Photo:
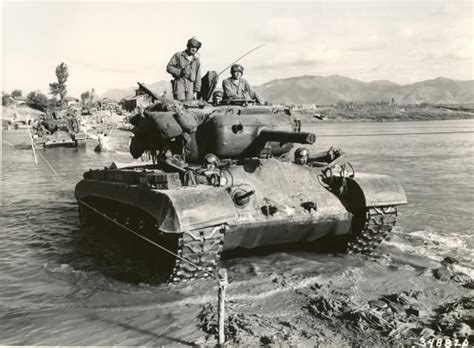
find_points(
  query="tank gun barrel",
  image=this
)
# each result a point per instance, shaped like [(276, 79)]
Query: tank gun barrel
[(283, 137), (287, 137)]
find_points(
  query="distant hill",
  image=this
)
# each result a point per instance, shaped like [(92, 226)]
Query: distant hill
[(325, 90), (331, 89)]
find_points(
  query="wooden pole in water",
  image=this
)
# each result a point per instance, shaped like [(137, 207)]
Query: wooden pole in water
[(32, 143), (222, 274)]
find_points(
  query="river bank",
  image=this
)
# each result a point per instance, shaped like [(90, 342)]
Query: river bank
[(387, 113)]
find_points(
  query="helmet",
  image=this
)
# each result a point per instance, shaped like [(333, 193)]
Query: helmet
[(193, 42), (237, 67), (301, 155), (217, 97), (210, 159), (217, 94)]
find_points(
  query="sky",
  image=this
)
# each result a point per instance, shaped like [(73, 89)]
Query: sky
[(109, 44)]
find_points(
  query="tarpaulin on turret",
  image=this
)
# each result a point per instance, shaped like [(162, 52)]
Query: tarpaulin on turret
[(165, 125)]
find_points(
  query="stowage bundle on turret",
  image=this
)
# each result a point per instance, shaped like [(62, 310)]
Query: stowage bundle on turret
[(165, 125)]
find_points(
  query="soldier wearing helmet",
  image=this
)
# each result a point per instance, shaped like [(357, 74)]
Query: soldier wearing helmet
[(185, 67), (217, 97), (301, 155), (210, 162), (235, 87)]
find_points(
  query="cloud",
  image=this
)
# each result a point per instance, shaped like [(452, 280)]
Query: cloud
[(111, 69), (369, 46), (283, 30), (293, 63), (445, 57), (375, 69)]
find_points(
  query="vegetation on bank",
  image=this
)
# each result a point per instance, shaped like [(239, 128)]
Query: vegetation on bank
[(379, 112)]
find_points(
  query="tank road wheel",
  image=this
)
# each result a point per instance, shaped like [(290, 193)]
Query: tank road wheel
[(202, 248), (369, 228)]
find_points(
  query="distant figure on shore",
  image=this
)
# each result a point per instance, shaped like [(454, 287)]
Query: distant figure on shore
[(185, 67), (235, 87), (103, 141)]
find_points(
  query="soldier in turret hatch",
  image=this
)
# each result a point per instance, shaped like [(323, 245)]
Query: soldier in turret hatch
[(185, 68), (217, 98), (235, 87), (301, 155)]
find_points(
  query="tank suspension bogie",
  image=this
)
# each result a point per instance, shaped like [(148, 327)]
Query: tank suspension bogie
[(188, 255)]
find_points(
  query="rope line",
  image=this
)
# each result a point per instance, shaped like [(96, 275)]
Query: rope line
[(119, 224), (32, 144), (139, 235), (382, 134), (10, 144), (49, 165)]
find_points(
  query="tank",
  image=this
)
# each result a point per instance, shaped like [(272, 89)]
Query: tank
[(59, 133), (255, 195)]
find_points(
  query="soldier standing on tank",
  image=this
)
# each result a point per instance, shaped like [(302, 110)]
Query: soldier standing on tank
[(235, 87), (185, 68)]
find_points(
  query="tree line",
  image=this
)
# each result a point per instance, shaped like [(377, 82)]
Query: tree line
[(58, 90)]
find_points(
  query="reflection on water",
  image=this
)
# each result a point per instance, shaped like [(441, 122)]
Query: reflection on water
[(59, 280)]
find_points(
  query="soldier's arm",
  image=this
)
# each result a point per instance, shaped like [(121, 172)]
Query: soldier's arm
[(173, 66), (197, 82), (253, 93)]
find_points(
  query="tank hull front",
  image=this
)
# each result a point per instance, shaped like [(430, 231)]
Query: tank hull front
[(285, 203), (288, 205), (252, 235)]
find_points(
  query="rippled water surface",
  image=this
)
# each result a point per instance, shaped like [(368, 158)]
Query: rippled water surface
[(63, 285)]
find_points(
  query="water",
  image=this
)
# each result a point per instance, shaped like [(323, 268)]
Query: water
[(61, 285)]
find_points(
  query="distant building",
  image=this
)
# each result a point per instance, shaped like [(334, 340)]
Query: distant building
[(141, 99), (18, 100), (68, 101), (107, 103)]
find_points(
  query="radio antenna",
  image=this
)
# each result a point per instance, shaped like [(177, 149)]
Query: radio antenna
[(235, 61)]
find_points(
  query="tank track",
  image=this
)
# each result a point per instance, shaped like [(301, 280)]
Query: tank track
[(370, 228), (203, 248)]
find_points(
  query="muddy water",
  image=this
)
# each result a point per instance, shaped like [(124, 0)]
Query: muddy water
[(62, 285)]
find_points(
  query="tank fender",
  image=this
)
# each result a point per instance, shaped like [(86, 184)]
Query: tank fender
[(175, 211), (195, 208), (373, 190)]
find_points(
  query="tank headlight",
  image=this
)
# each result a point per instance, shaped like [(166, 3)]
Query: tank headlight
[(222, 181)]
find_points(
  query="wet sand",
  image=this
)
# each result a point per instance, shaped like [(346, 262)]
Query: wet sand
[(341, 300)]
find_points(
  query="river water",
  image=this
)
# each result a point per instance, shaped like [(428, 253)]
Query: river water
[(61, 285)]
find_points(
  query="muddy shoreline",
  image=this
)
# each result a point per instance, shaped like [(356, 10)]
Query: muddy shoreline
[(344, 300)]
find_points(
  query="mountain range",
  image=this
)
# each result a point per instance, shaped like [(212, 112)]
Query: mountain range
[(326, 90)]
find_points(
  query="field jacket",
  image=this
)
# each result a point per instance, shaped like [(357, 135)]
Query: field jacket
[(191, 68), (239, 89)]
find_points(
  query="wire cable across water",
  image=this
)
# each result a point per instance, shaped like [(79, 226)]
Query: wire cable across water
[(139, 235)]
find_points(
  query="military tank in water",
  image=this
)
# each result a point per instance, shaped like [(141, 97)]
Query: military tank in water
[(253, 195)]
